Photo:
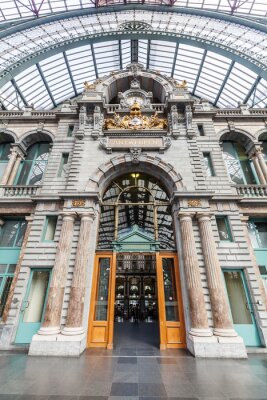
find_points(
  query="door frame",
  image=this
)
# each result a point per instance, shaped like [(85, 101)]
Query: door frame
[(249, 303), (25, 301), (108, 325)]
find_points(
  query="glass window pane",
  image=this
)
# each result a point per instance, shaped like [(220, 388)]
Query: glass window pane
[(101, 307), (232, 163), (4, 294), (237, 298), (170, 292), (50, 228), (8, 234), (3, 165), (21, 233), (208, 164), (36, 296), (223, 229), (261, 229)]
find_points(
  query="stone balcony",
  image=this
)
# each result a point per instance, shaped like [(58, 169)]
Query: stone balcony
[(18, 191), (252, 191)]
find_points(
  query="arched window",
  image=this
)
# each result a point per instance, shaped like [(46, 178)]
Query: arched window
[(135, 200), (239, 167), (4, 152), (32, 168)]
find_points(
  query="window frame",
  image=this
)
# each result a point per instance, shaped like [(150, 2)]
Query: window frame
[(225, 218), (207, 156), (61, 173), (44, 231)]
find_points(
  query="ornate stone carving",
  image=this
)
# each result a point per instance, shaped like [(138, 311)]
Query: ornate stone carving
[(89, 86), (135, 153), (135, 121), (182, 85)]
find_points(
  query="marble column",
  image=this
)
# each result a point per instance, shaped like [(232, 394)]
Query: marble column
[(262, 163), (258, 169), (51, 324), (223, 325), (74, 324), (9, 167), (15, 168), (198, 313)]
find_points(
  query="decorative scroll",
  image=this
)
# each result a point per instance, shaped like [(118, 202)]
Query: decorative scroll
[(78, 203), (194, 203)]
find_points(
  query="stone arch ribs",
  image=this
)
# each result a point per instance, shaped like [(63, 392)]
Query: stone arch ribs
[(151, 165), (246, 139)]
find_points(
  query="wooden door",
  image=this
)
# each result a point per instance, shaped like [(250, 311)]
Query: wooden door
[(100, 330), (171, 318)]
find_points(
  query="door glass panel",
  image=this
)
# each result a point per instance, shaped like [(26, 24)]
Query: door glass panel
[(36, 296), (237, 298), (101, 307), (171, 303)]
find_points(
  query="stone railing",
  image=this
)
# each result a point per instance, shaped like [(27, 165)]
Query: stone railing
[(19, 191), (252, 191)]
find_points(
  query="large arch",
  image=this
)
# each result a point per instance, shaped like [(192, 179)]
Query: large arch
[(148, 164), (241, 136)]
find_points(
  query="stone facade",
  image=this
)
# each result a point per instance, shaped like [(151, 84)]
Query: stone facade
[(76, 129)]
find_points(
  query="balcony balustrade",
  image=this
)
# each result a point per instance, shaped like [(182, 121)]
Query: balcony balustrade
[(252, 191), (18, 191)]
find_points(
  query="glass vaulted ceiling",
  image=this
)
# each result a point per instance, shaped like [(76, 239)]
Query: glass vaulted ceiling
[(13, 9), (222, 80)]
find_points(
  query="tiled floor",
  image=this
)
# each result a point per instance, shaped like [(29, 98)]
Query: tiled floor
[(135, 372)]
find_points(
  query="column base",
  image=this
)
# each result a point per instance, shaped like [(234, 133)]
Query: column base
[(72, 331), (200, 332), (54, 330), (225, 332), (57, 345), (216, 347)]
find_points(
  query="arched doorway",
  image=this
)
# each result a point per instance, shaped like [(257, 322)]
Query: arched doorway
[(136, 278)]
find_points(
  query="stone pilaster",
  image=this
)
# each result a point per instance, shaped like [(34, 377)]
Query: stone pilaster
[(51, 324), (262, 163), (198, 313), (223, 325), (76, 305)]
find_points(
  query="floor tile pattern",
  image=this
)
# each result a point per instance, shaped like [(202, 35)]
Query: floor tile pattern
[(126, 373)]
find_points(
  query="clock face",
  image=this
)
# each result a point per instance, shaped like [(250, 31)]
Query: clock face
[(132, 98)]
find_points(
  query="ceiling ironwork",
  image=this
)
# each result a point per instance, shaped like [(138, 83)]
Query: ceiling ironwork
[(46, 60)]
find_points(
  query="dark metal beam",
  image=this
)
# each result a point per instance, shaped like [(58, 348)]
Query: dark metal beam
[(19, 92), (70, 73), (46, 84), (224, 82), (134, 51), (120, 54), (94, 60), (175, 58), (148, 53), (199, 70), (252, 89)]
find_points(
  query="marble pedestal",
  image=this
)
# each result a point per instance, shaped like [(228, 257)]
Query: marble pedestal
[(216, 347), (57, 345)]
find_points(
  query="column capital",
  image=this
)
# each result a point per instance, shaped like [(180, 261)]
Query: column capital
[(186, 215), (17, 150), (88, 215), (204, 216), (255, 151), (68, 215)]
